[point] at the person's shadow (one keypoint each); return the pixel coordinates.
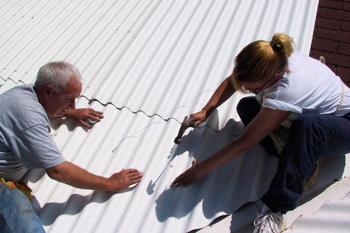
(72, 206)
(68, 122)
(225, 189)
(233, 187)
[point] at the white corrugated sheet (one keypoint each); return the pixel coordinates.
(132, 52)
(146, 64)
(332, 217)
(125, 139)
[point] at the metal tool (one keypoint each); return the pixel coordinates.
(186, 123)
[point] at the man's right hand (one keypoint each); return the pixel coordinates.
(124, 179)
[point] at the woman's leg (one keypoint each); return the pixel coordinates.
(247, 109)
(311, 135)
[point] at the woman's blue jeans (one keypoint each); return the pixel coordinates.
(311, 136)
(16, 213)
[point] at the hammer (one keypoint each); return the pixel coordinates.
(186, 123)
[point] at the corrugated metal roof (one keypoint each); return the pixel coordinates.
(147, 64)
(7, 84)
(331, 215)
(130, 52)
(125, 139)
(326, 212)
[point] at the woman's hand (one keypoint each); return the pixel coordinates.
(197, 118)
(85, 117)
(190, 176)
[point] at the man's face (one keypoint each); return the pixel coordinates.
(58, 102)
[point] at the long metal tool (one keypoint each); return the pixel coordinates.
(186, 123)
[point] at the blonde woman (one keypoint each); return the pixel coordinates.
(294, 91)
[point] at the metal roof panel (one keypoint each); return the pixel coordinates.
(146, 64)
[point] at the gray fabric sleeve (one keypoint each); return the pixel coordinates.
(36, 148)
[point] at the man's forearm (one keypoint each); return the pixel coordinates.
(69, 112)
(76, 176)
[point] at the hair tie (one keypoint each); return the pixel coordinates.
(275, 45)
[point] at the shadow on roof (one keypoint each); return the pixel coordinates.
(225, 189)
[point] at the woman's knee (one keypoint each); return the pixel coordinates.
(247, 108)
(247, 102)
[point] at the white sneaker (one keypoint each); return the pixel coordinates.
(269, 223)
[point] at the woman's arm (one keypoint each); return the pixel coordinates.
(262, 125)
(224, 91)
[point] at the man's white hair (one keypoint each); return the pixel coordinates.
(57, 74)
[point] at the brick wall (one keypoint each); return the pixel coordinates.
(331, 37)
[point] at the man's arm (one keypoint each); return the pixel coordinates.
(76, 176)
(262, 125)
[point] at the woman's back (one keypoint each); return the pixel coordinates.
(308, 86)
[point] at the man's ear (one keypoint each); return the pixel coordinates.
(49, 91)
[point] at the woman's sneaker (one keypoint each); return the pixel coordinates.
(269, 223)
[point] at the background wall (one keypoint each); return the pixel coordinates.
(331, 37)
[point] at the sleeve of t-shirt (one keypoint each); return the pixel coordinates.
(36, 148)
(280, 105)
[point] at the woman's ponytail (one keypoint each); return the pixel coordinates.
(261, 60)
(282, 43)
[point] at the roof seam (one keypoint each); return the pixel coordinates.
(121, 108)
(129, 109)
(144, 113)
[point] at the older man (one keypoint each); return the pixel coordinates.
(25, 143)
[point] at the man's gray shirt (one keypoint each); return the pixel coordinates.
(25, 140)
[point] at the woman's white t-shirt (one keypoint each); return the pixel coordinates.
(308, 86)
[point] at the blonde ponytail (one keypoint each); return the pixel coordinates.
(282, 43)
(260, 60)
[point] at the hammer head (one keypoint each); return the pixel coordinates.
(184, 125)
(178, 140)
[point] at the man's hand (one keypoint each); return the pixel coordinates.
(85, 117)
(189, 176)
(124, 179)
